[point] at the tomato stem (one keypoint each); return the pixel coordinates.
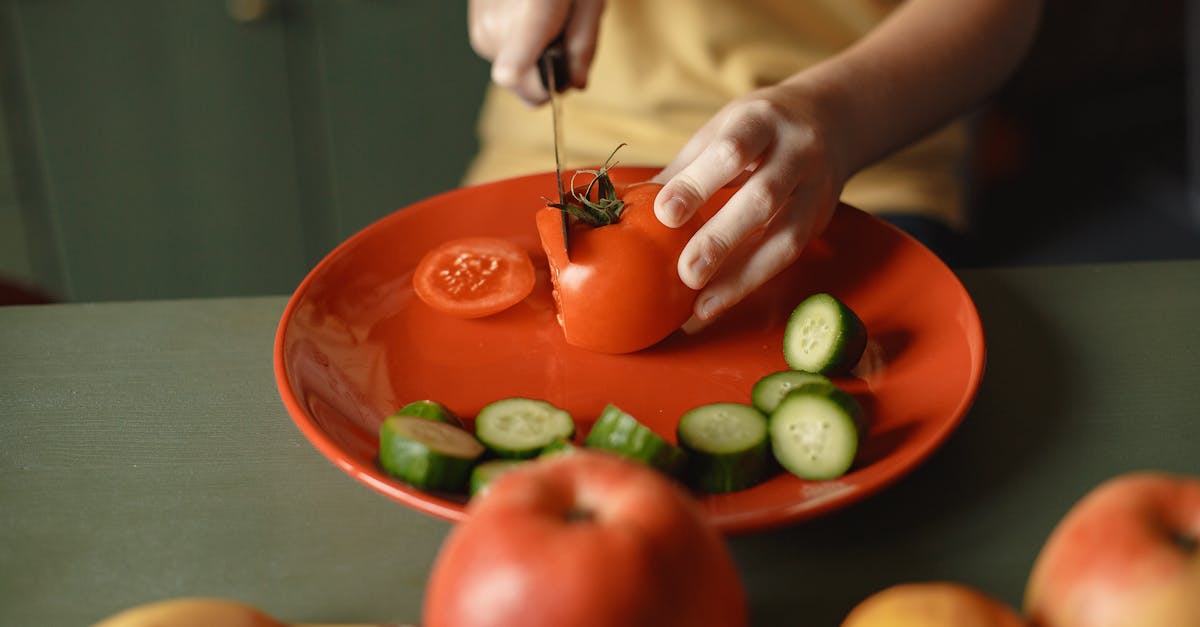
(1185, 541)
(580, 515)
(606, 208)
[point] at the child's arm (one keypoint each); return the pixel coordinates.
(793, 145)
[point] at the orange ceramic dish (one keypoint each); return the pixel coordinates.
(355, 343)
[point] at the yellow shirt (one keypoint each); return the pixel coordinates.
(664, 67)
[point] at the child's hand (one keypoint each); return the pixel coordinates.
(513, 33)
(776, 143)
(794, 145)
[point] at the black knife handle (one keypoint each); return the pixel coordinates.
(554, 59)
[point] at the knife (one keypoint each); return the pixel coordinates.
(555, 75)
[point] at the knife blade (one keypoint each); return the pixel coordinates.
(553, 70)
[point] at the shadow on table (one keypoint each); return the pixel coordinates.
(937, 523)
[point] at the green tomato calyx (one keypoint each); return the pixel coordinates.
(596, 203)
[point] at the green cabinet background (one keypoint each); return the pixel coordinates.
(163, 148)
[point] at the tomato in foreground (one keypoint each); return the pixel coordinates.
(618, 291)
(584, 539)
(474, 277)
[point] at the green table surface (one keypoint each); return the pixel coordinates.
(145, 454)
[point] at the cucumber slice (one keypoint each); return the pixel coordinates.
(519, 428)
(770, 390)
(620, 433)
(815, 435)
(428, 454)
(848, 403)
(727, 445)
(432, 410)
(485, 472)
(824, 336)
(558, 447)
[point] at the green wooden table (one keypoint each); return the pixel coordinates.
(144, 454)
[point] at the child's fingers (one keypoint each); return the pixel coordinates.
(805, 215)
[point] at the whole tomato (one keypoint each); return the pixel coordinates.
(584, 539)
(618, 289)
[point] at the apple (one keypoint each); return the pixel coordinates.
(191, 612)
(196, 612)
(580, 539)
(932, 604)
(1124, 555)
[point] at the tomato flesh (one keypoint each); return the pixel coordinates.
(474, 277)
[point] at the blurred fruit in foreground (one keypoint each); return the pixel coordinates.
(1126, 554)
(583, 539)
(202, 612)
(932, 604)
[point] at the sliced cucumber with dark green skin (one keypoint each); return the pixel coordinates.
(727, 445)
(815, 435)
(432, 410)
(824, 336)
(620, 433)
(428, 454)
(519, 428)
(485, 472)
(770, 390)
(558, 447)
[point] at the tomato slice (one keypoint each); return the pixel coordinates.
(474, 277)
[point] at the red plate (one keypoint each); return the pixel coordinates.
(355, 343)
